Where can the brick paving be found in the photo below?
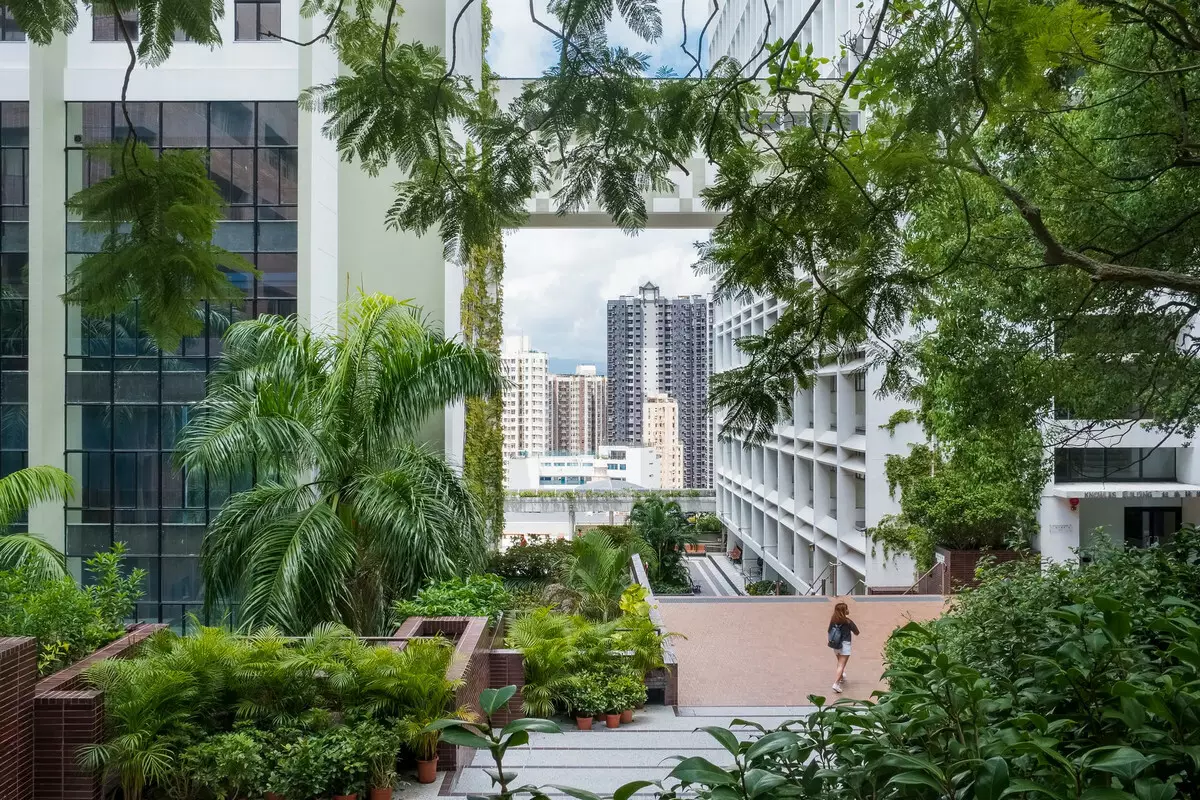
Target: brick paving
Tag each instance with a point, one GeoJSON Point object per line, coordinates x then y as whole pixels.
{"type": "Point", "coordinates": [773, 651]}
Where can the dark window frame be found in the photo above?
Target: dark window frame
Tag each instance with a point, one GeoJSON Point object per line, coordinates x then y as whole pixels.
{"type": "Point", "coordinates": [261, 31]}
{"type": "Point", "coordinates": [1114, 461]}
{"type": "Point", "coordinates": [10, 31]}
{"type": "Point", "coordinates": [100, 18]}
{"type": "Point", "coordinates": [129, 486]}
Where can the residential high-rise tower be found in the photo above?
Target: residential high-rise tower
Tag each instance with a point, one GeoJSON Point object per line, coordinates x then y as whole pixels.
{"type": "Point", "coordinates": [526, 418]}
{"type": "Point", "coordinates": [660, 430]}
{"type": "Point", "coordinates": [662, 345]}
{"type": "Point", "coordinates": [578, 411]}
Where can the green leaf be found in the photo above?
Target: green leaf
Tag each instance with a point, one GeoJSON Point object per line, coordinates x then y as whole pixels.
{"type": "Point", "coordinates": [917, 779]}
{"type": "Point", "coordinates": [532, 724]}
{"type": "Point", "coordinates": [760, 782]}
{"type": "Point", "coordinates": [492, 700]}
{"type": "Point", "coordinates": [991, 780]}
{"type": "Point", "coordinates": [700, 770]}
{"type": "Point", "coordinates": [1124, 762]}
{"type": "Point", "coordinates": [1153, 789]}
{"type": "Point", "coordinates": [626, 791]}
{"type": "Point", "coordinates": [465, 738]}
{"type": "Point", "coordinates": [724, 736]}
{"type": "Point", "coordinates": [1105, 793]}
{"type": "Point", "coordinates": [581, 794]}
{"type": "Point", "coordinates": [1023, 786]}
{"type": "Point", "coordinates": [771, 743]}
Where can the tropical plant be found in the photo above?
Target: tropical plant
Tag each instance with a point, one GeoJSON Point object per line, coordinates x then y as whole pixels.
{"type": "Point", "coordinates": [349, 513]}
{"type": "Point", "coordinates": [530, 567]}
{"type": "Point", "coordinates": [598, 571]}
{"type": "Point", "coordinates": [476, 596]}
{"type": "Point", "coordinates": [69, 621]}
{"type": "Point", "coordinates": [664, 528]}
{"type": "Point", "coordinates": [557, 647]}
{"type": "Point", "coordinates": [349, 767]}
{"type": "Point", "coordinates": [305, 769]}
{"type": "Point", "coordinates": [629, 690]}
{"type": "Point", "coordinates": [230, 765]}
{"type": "Point", "coordinates": [428, 698]}
{"type": "Point", "coordinates": [763, 587]}
{"type": "Point", "coordinates": [379, 745]}
{"type": "Point", "coordinates": [18, 492]}
{"type": "Point", "coordinates": [581, 696]}
{"type": "Point", "coordinates": [483, 735]}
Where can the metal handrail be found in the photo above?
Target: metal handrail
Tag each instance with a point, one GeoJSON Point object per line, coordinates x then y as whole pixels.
{"type": "Point", "coordinates": [812, 587]}
{"type": "Point", "coordinates": [912, 589]}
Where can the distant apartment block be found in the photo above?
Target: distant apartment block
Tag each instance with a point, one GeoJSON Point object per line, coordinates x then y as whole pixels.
{"type": "Point", "coordinates": [662, 345]}
{"type": "Point", "coordinates": [526, 418]}
{"type": "Point", "coordinates": [660, 430]}
{"type": "Point", "coordinates": [578, 411]}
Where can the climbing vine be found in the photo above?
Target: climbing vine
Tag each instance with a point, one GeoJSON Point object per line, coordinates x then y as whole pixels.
{"type": "Point", "coordinates": [482, 320]}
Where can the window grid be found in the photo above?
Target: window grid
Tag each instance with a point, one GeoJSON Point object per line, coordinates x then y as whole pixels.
{"type": "Point", "coordinates": [257, 20]}
{"type": "Point", "coordinates": [14, 286]}
{"type": "Point", "coordinates": [10, 31]}
{"type": "Point", "coordinates": [106, 29]}
{"type": "Point", "coordinates": [127, 401]}
{"type": "Point", "coordinates": [1116, 464]}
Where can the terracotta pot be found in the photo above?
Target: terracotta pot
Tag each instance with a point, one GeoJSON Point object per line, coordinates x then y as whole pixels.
{"type": "Point", "coordinates": [427, 771]}
{"type": "Point", "coordinates": [381, 793]}
{"type": "Point", "coordinates": [612, 720]}
{"type": "Point", "coordinates": [583, 723]}
{"type": "Point", "coordinates": [627, 716]}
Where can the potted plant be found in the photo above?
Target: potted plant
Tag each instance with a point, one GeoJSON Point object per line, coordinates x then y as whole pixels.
{"type": "Point", "coordinates": [582, 703]}
{"type": "Point", "coordinates": [379, 746]}
{"type": "Point", "coordinates": [632, 693]}
{"type": "Point", "coordinates": [230, 765]}
{"type": "Point", "coordinates": [612, 704]}
{"type": "Point", "coordinates": [348, 764]}
{"type": "Point", "coordinates": [305, 769]}
{"type": "Point", "coordinates": [428, 705]}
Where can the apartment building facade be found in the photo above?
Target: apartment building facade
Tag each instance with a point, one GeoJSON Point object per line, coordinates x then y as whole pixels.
{"type": "Point", "coordinates": [578, 411]}
{"type": "Point", "coordinates": [662, 345]}
{"type": "Point", "coordinates": [95, 396]}
{"type": "Point", "coordinates": [526, 416]}
{"type": "Point", "coordinates": [660, 430]}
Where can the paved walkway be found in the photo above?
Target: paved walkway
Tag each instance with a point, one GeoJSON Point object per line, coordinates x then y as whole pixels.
{"type": "Point", "coordinates": [602, 760]}
{"type": "Point", "coordinates": [770, 651]}
{"type": "Point", "coordinates": [712, 582]}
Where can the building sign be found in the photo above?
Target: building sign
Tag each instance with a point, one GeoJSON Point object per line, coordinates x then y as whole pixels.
{"type": "Point", "coordinates": [1128, 493]}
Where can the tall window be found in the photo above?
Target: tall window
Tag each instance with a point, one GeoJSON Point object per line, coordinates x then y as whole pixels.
{"type": "Point", "coordinates": [105, 27]}
{"type": "Point", "coordinates": [256, 20]}
{"type": "Point", "coordinates": [126, 399]}
{"type": "Point", "coordinates": [10, 31]}
{"type": "Point", "coordinates": [14, 286]}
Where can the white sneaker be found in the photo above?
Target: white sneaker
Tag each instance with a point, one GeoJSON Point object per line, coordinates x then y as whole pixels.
{"type": "Point", "coordinates": [837, 687]}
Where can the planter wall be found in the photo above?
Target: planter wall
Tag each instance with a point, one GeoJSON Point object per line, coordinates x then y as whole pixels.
{"type": "Point", "coordinates": [43, 723]}
{"type": "Point", "coordinates": [662, 683]}
{"type": "Point", "coordinates": [960, 565]}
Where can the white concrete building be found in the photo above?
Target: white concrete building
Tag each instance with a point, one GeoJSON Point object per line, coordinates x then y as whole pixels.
{"type": "Point", "coordinates": [628, 467]}
{"type": "Point", "coordinates": [526, 417]}
{"type": "Point", "coordinates": [800, 502]}
{"type": "Point", "coordinates": [313, 225]}
{"type": "Point", "coordinates": [660, 430]}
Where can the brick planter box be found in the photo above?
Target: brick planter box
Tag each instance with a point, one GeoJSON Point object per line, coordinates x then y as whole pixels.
{"type": "Point", "coordinates": [44, 723]}
{"type": "Point", "coordinates": [960, 565]}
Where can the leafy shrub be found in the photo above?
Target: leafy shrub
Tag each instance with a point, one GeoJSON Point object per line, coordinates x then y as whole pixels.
{"type": "Point", "coordinates": [230, 765]}
{"type": "Point", "coordinates": [760, 588]}
{"type": "Point", "coordinates": [582, 696]}
{"type": "Point", "coordinates": [69, 621]}
{"type": "Point", "coordinates": [530, 566]}
{"type": "Point", "coordinates": [282, 692]}
{"type": "Point", "coordinates": [476, 596]}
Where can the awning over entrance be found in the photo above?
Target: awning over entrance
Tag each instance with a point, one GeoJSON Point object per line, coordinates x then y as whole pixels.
{"type": "Point", "coordinates": [1129, 489]}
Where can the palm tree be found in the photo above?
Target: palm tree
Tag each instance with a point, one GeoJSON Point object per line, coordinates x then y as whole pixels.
{"type": "Point", "coordinates": [349, 512]}
{"type": "Point", "coordinates": [598, 571]}
{"type": "Point", "coordinates": [663, 526]}
{"type": "Point", "coordinates": [18, 491]}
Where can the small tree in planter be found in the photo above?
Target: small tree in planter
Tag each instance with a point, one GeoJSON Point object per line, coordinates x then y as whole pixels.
{"type": "Point", "coordinates": [612, 700]}
{"type": "Point", "coordinates": [230, 765]}
{"type": "Point", "coordinates": [305, 770]}
{"type": "Point", "coordinates": [630, 688]}
{"type": "Point", "coordinates": [379, 747]}
{"type": "Point", "coordinates": [583, 700]}
{"type": "Point", "coordinates": [348, 763]}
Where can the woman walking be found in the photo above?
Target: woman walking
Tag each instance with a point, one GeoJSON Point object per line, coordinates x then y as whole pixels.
{"type": "Point", "coordinates": [841, 630]}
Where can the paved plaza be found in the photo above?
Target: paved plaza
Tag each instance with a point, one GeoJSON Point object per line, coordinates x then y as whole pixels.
{"type": "Point", "coordinates": [769, 651]}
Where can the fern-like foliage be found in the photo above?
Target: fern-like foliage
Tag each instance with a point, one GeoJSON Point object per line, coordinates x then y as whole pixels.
{"type": "Point", "coordinates": [158, 20]}
{"type": "Point", "coordinates": [158, 216]}
{"type": "Point", "coordinates": [394, 111]}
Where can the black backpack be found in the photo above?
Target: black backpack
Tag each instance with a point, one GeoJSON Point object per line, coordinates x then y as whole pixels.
{"type": "Point", "coordinates": [835, 636]}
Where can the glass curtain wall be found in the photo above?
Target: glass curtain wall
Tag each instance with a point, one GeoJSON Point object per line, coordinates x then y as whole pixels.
{"type": "Point", "coordinates": [14, 286]}
{"type": "Point", "coordinates": [126, 399]}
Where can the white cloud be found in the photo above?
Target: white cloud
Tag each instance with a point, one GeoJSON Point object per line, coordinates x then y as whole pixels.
{"type": "Point", "coordinates": [557, 282]}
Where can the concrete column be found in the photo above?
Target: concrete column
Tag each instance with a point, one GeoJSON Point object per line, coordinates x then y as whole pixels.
{"type": "Point", "coordinates": [1058, 529]}
{"type": "Point", "coordinates": [47, 273]}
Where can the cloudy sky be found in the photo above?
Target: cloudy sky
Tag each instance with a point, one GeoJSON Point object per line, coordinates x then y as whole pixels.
{"type": "Point", "coordinates": [557, 281]}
